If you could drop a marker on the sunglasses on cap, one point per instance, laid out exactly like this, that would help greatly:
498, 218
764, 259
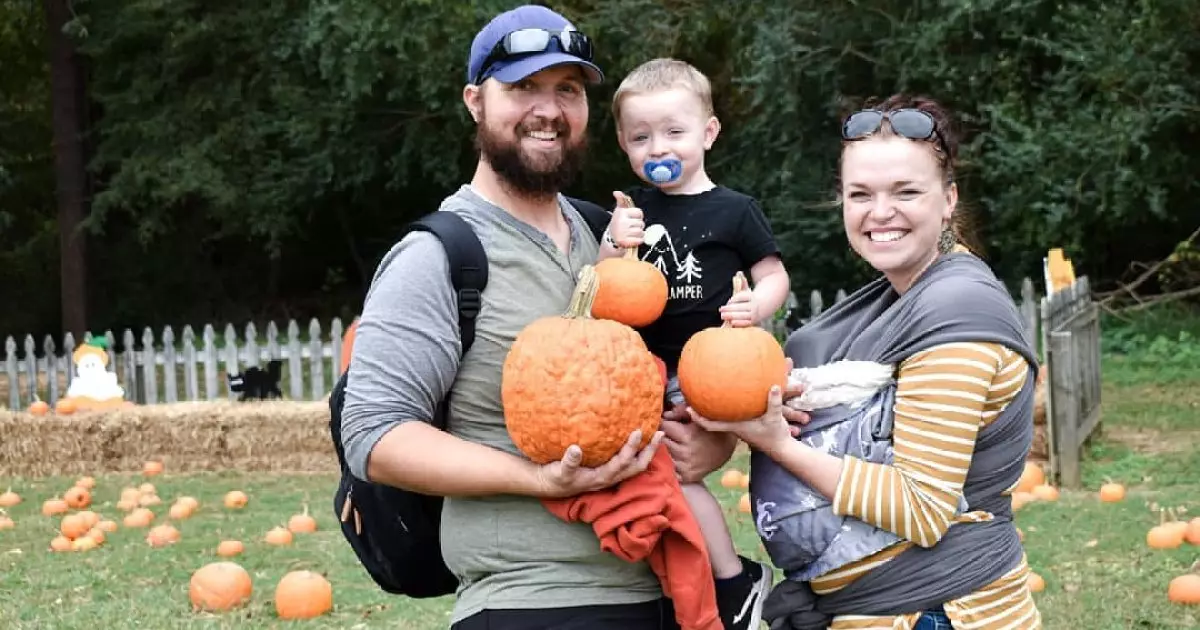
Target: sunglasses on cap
536, 40
913, 124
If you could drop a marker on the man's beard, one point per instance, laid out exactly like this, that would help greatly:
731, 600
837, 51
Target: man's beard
515, 168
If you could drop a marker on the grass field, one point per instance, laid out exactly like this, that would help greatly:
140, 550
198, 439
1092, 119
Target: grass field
1099, 572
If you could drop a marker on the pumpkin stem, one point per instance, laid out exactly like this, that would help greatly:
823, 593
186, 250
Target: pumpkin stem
584, 295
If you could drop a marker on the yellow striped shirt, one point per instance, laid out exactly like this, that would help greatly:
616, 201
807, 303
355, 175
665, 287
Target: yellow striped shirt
943, 396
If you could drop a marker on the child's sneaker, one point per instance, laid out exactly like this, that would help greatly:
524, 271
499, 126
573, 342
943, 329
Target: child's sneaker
740, 599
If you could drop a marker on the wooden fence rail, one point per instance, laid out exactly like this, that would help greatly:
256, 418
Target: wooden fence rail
1071, 338
172, 368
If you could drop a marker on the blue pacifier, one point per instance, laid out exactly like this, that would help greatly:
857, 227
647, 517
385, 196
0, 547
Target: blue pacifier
664, 171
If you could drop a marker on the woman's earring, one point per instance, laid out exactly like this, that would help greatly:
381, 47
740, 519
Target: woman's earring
946, 240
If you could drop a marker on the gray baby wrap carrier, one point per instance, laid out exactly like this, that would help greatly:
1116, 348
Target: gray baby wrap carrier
799, 530
957, 299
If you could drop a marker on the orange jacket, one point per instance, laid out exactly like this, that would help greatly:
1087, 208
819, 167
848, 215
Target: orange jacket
647, 518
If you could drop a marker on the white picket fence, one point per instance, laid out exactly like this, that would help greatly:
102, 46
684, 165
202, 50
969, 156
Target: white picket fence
171, 369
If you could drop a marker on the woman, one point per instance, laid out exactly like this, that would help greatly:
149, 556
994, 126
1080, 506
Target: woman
894, 510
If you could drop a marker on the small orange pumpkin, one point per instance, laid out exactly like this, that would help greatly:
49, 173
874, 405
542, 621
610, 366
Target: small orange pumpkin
230, 548
631, 291
54, 507
1167, 534
348, 344
1185, 589
65, 407
139, 517
39, 407
78, 498
162, 535
6, 522
726, 372
220, 586
1045, 492
303, 595
302, 523
1192, 532
1112, 492
731, 478
9, 499
571, 379
152, 468
236, 499
73, 526
279, 536
1031, 477
1036, 583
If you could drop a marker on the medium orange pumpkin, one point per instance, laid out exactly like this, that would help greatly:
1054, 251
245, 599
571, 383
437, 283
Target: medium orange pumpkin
303, 595
631, 291
726, 372
220, 586
572, 379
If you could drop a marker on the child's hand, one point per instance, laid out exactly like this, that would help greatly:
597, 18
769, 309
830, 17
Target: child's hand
627, 225
741, 309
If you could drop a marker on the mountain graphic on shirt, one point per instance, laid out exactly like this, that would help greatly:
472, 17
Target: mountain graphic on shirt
661, 253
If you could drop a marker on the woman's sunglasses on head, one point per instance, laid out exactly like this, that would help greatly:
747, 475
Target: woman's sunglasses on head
910, 123
536, 40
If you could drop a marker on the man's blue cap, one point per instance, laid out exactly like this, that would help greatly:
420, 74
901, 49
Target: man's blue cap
513, 70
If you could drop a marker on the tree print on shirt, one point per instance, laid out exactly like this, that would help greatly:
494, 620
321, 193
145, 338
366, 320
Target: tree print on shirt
661, 252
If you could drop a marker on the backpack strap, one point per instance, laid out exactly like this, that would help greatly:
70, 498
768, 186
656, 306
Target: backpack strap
597, 217
468, 265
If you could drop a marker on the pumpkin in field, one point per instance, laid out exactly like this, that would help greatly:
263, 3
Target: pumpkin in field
1031, 477
78, 498
1185, 589
302, 523
572, 379
303, 595
219, 586
9, 499
348, 344
631, 291
726, 372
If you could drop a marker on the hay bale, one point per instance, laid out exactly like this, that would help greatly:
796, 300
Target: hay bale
190, 436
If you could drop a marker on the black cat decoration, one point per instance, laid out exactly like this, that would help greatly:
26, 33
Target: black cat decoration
256, 383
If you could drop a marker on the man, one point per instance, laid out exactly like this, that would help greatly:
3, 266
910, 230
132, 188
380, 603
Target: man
518, 565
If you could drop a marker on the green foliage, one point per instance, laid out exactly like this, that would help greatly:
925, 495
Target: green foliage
1166, 338
279, 147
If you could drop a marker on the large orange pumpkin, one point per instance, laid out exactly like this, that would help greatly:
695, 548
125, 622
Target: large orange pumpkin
631, 291
726, 372
572, 379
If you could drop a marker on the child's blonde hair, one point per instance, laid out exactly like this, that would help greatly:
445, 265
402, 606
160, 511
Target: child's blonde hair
664, 74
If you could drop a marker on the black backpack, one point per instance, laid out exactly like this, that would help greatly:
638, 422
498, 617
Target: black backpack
395, 532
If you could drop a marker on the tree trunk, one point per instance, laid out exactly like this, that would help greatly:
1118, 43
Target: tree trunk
68, 102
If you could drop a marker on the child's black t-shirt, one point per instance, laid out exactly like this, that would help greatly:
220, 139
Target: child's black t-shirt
699, 242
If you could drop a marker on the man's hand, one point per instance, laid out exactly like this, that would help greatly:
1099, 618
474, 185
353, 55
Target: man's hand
696, 452
567, 478
628, 224
741, 310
